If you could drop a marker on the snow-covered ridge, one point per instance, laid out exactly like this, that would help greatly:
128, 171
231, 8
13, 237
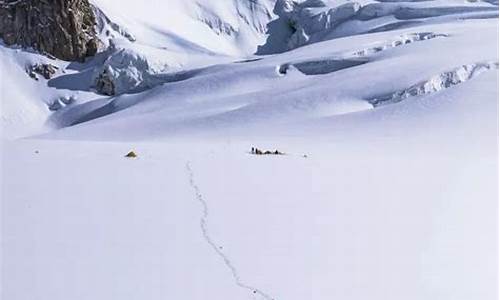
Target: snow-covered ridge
400, 41
437, 83
333, 64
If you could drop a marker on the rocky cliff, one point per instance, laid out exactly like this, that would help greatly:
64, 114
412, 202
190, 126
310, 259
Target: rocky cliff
62, 28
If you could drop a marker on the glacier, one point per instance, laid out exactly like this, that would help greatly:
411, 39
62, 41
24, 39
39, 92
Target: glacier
386, 112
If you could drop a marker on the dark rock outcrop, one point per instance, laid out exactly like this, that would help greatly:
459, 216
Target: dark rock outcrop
62, 28
104, 83
45, 70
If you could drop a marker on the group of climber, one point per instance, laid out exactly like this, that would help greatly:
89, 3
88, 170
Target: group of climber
257, 151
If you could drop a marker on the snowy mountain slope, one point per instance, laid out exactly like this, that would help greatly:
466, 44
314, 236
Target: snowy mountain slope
274, 93
228, 27
181, 36
386, 111
27, 103
136, 55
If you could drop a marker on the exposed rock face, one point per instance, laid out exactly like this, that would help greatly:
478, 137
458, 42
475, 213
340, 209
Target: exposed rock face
104, 83
62, 28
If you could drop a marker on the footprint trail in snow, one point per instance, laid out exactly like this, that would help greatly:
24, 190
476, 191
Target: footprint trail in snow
206, 235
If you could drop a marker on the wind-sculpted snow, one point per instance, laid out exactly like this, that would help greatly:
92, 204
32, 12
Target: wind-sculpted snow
400, 41
60, 103
323, 66
437, 83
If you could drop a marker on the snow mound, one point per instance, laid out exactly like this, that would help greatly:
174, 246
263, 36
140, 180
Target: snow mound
437, 83
322, 66
61, 102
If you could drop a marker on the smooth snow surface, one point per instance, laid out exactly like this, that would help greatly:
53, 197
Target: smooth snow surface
387, 112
